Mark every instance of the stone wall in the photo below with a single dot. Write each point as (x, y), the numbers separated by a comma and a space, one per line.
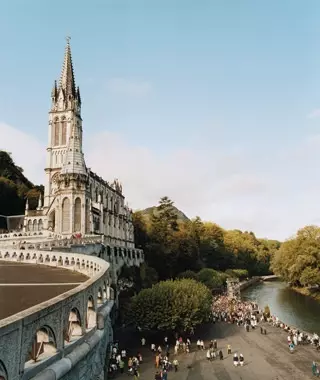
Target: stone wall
(69, 333)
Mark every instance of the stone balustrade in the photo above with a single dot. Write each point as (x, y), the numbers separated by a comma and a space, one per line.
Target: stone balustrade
(20, 235)
(65, 337)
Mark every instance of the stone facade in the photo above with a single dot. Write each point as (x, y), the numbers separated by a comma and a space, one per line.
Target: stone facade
(76, 200)
(81, 353)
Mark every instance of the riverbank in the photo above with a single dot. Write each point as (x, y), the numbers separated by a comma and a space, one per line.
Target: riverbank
(267, 357)
(307, 292)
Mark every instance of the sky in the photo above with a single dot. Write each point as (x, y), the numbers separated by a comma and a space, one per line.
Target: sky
(215, 104)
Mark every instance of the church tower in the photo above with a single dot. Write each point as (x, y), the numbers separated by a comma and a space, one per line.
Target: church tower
(66, 172)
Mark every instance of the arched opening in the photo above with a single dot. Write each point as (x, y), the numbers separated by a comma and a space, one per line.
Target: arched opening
(100, 297)
(43, 346)
(77, 215)
(52, 221)
(29, 228)
(66, 215)
(56, 132)
(63, 131)
(73, 330)
(35, 225)
(91, 314)
(40, 225)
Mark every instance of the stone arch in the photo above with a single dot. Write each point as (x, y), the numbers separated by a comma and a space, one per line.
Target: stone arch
(3, 371)
(66, 215)
(91, 314)
(44, 344)
(77, 215)
(73, 330)
(29, 225)
(52, 220)
(100, 297)
(40, 225)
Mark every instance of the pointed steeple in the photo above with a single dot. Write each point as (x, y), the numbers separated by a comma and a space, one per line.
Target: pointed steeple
(54, 91)
(74, 159)
(78, 95)
(67, 81)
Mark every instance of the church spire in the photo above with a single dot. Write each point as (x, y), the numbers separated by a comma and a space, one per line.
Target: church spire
(67, 81)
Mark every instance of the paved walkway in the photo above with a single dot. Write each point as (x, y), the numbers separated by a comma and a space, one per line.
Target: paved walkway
(267, 357)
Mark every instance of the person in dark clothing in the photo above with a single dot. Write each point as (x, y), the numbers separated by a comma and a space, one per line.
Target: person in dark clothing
(221, 355)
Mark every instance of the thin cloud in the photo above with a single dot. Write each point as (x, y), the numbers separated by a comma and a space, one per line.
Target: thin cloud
(129, 87)
(314, 114)
(230, 189)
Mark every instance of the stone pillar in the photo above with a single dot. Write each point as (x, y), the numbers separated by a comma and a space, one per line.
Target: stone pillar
(71, 228)
(83, 215)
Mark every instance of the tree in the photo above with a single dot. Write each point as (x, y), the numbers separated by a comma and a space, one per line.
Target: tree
(188, 274)
(149, 276)
(298, 259)
(141, 237)
(210, 278)
(178, 305)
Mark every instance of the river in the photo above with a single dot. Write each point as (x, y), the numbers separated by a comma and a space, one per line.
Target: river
(291, 307)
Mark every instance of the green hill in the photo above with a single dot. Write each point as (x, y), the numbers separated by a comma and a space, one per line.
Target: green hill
(15, 188)
(148, 212)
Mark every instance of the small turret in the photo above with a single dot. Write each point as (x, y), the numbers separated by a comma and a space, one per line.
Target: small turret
(27, 205)
(39, 202)
(54, 92)
(78, 95)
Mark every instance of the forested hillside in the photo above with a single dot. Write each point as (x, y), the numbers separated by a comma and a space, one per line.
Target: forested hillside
(173, 245)
(15, 188)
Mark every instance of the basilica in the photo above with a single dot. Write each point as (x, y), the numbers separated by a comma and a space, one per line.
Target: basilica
(77, 201)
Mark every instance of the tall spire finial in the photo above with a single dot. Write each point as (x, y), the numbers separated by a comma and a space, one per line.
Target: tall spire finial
(67, 82)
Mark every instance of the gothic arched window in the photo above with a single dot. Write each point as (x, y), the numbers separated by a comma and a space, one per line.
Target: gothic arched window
(66, 215)
(77, 215)
(63, 131)
(56, 132)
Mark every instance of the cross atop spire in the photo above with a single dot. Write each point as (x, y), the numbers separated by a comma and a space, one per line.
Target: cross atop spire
(67, 82)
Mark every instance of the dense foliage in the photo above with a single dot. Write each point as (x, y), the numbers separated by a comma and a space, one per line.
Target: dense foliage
(298, 259)
(173, 245)
(15, 188)
(178, 305)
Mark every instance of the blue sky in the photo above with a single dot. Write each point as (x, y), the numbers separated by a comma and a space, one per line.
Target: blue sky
(213, 103)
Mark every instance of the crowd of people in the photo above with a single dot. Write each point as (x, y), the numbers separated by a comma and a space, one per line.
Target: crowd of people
(244, 314)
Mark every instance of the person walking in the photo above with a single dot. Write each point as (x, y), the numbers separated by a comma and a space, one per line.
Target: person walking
(121, 366)
(229, 349)
(175, 365)
(241, 360)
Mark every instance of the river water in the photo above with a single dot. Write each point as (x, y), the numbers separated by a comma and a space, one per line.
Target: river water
(291, 307)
